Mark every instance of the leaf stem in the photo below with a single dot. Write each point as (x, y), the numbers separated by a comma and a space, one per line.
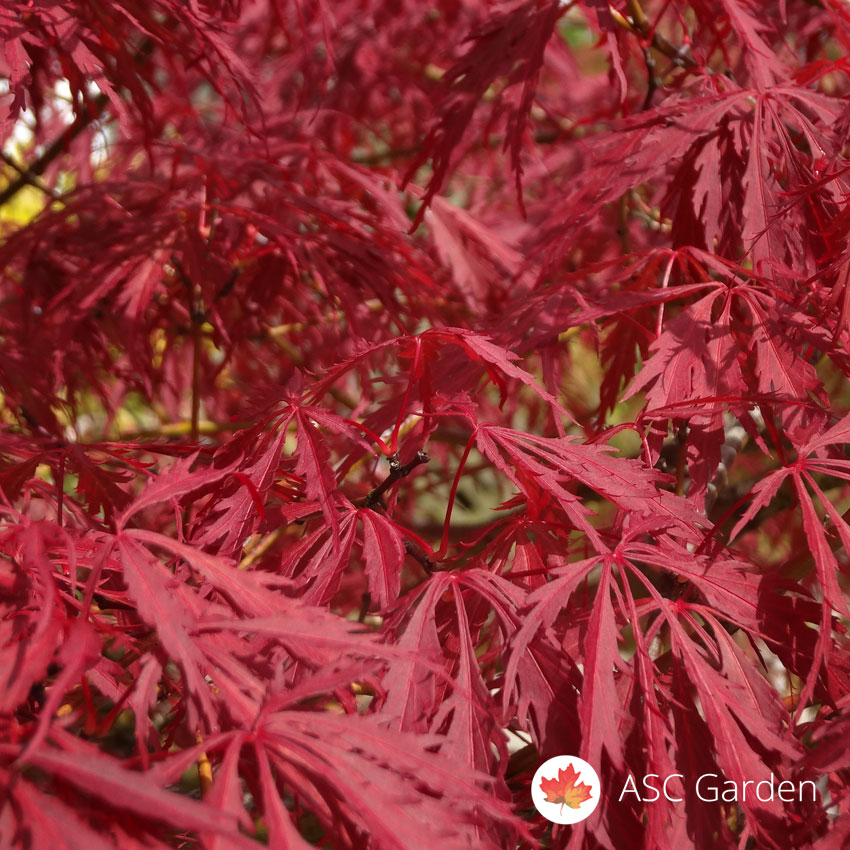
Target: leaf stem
(414, 368)
(444, 541)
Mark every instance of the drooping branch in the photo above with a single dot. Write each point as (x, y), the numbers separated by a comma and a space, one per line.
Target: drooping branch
(29, 176)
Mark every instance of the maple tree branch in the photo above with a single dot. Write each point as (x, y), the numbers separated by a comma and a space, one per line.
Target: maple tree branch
(652, 80)
(171, 430)
(29, 176)
(397, 470)
(379, 157)
(374, 502)
(365, 605)
(419, 554)
(638, 24)
(638, 15)
(623, 223)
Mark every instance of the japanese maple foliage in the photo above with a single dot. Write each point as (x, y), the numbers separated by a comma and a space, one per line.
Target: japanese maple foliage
(397, 394)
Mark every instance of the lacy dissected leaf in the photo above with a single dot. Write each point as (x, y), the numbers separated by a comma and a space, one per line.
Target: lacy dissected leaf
(457, 704)
(383, 555)
(538, 465)
(238, 513)
(465, 717)
(157, 596)
(474, 396)
(598, 691)
(172, 484)
(475, 253)
(814, 458)
(410, 684)
(31, 628)
(496, 52)
(783, 371)
(350, 771)
(148, 809)
(310, 634)
(313, 466)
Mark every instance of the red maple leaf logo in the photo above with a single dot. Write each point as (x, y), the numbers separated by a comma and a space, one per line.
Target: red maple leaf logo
(566, 789)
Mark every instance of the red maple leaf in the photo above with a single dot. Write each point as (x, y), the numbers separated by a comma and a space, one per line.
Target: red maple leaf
(566, 789)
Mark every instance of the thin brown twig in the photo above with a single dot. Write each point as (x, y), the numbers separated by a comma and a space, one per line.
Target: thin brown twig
(96, 106)
(638, 23)
(261, 547)
(419, 554)
(372, 500)
(397, 470)
(28, 176)
(623, 223)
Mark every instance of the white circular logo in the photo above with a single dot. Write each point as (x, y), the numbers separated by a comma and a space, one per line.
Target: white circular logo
(565, 789)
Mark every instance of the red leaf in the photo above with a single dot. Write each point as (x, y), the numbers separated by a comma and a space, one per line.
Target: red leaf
(383, 553)
(152, 588)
